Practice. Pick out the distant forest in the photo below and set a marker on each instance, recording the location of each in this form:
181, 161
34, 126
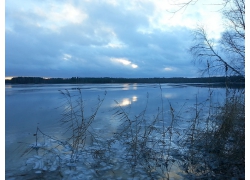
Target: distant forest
100, 80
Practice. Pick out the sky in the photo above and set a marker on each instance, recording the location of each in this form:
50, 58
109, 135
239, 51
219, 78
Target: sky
104, 38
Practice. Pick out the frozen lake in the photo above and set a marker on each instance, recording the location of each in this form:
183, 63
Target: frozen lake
30, 106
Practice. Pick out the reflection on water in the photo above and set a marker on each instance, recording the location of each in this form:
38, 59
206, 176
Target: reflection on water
126, 101
169, 95
26, 109
8, 86
125, 87
134, 98
135, 86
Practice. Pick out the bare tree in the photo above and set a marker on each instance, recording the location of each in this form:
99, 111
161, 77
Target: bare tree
184, 4
228, 54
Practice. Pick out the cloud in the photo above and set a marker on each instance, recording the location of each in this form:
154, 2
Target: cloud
56, 16
66, 57
169, 69
207, 13
95, 38
124, 62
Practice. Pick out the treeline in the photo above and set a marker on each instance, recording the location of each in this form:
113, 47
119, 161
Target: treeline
83, 80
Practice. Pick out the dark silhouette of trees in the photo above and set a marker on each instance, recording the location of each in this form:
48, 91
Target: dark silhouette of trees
233, 80
226, 56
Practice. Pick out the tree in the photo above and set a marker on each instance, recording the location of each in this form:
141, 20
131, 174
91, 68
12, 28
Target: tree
228, 54
225, 56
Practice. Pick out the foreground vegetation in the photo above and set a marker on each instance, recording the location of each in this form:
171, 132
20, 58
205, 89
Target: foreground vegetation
211, 145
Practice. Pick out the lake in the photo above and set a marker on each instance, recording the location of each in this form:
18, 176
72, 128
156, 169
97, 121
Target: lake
41, 105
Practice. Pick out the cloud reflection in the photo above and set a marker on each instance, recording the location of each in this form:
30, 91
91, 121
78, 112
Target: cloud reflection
135, 86
125, 87
134, 98
169, 95
126, 101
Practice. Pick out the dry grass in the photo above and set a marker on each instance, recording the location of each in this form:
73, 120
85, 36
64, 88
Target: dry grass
212, 147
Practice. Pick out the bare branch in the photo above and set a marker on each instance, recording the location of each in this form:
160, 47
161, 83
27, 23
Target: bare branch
228, 53
204, 50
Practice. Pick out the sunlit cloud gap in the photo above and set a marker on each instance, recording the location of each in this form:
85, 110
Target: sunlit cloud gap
124, 62
168, 69
66, 57
8, 78
113, 45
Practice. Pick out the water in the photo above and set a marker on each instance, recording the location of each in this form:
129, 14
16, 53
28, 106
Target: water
30, 106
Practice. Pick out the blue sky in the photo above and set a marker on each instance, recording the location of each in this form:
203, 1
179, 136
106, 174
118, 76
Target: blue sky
111, 38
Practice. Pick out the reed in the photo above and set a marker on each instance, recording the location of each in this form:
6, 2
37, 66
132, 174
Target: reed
211, 147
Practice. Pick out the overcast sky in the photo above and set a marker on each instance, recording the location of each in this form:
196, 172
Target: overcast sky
109, 38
